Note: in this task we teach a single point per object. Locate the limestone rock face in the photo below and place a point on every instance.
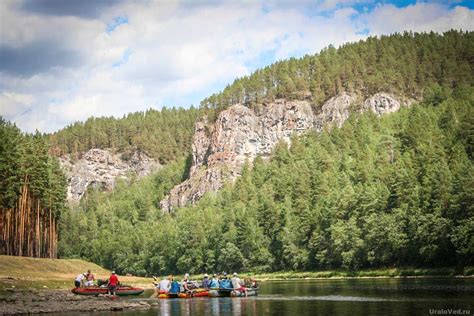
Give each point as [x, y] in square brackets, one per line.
[240, 134]
[100, 168]
[200, 145]
[382, 103]
[335, 111]
[193, 189]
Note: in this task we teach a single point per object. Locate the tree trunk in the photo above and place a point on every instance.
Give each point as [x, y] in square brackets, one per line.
[28, 229]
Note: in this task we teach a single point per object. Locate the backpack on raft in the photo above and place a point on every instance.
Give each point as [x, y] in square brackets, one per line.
[175, 288]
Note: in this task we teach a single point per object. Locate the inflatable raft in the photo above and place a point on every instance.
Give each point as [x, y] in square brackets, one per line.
[96, 290]
[250, 292]
[195, 293]
[233, 293]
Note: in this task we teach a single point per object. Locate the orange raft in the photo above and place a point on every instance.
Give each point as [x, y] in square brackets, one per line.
[194, 293]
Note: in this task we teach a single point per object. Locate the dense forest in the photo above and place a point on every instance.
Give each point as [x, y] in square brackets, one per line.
[165, 135]
[378, 192]
[32, 194]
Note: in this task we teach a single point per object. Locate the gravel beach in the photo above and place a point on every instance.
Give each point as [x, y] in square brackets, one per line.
[31, 301]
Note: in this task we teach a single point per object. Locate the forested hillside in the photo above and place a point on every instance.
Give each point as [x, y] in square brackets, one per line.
[164, 135]
[390, 191]
[32, 194]
[403, 64]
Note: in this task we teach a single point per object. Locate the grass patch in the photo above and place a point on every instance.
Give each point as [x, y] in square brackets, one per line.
[41, 273]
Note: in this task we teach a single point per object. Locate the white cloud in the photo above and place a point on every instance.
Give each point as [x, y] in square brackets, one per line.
[12, 103]
[421, 17]
[168, 53]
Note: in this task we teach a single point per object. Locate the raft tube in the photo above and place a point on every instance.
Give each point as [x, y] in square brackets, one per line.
[201, 293]
[251, 291]
[95, 290]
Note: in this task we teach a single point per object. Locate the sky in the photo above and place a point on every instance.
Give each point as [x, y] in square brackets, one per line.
[63, 61]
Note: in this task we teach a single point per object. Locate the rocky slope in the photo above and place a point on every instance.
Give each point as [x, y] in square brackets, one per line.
[240, 134]
[100, 168]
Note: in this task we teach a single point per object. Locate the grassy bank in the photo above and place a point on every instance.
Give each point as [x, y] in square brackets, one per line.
[23, 272]
[372, 273]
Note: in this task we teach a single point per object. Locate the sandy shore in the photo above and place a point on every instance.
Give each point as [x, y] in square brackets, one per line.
[31, 301]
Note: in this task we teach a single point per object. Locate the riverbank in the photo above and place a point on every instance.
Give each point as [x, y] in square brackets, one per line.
[32, 301]
[52, 274]
[48, 274]
[368, 273]
[34, 285]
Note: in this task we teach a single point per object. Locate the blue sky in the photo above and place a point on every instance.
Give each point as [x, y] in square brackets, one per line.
[63, 61]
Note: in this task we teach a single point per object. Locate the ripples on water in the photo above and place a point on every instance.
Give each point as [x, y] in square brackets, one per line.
[340, 298]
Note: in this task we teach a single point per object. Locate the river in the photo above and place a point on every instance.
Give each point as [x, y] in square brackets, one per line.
[422, 296]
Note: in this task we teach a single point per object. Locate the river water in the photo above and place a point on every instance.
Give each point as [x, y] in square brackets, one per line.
[423, 296]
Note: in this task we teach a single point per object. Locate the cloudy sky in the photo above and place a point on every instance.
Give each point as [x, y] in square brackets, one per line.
[63, 61]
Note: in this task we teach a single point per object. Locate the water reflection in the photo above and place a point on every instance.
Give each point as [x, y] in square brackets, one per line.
[205, 306]
[215, 305]
[165, 308]
[328, 297]
[236, 307]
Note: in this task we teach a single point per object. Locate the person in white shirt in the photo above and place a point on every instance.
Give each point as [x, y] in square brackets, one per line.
[165, 285]
[184, 284]
[237, 284]
[78, 280]
[162, 287]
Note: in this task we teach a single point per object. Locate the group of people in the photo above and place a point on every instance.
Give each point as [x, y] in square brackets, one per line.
[87, 279]
[170, 285]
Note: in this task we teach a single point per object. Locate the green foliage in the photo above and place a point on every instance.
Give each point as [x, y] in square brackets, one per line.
[25, 157]
[166, 135]
[116, 229]
[378, 192]
[404, 64]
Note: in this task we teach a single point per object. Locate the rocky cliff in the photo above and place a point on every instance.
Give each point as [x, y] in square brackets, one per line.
[240, 134]
[100, 168]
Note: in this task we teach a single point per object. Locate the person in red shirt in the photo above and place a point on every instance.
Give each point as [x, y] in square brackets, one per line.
[113, 283]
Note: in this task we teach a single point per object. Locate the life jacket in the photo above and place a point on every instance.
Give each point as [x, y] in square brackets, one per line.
[174, 287]
[225, 284]
[214, 284]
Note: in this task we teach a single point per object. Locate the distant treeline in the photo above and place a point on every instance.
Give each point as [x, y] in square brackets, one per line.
[32, 194]
[165, 135]
[378, 192]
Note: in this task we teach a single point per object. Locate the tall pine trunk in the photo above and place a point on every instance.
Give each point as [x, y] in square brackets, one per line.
[28, 229]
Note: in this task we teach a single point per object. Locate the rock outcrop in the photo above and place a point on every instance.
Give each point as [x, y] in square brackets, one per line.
[240, 134]
[335, 111]
[100, 168]
[382, 103]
